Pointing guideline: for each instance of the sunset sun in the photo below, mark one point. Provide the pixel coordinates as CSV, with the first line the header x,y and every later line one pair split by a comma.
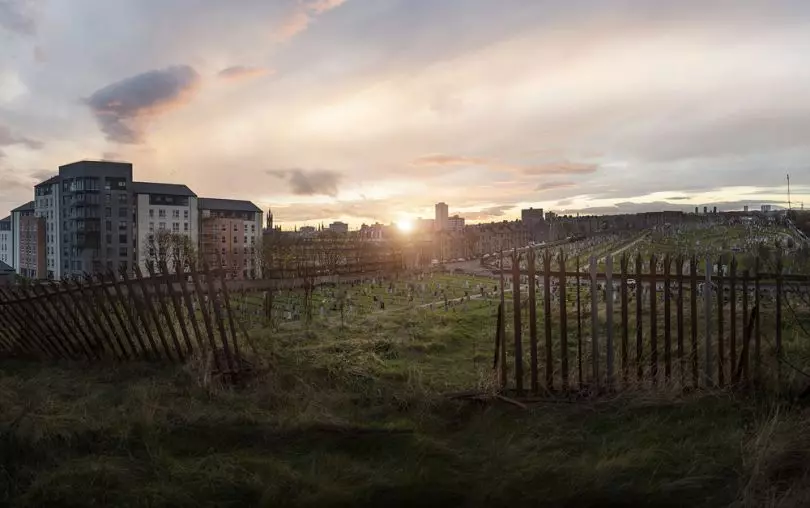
x,y
405,226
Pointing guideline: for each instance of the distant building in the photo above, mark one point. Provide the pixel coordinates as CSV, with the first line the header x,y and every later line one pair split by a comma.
x,y
230,233
766,208
307,231
455,223
424,225
745,208
162,208
442,213
531,216
697,210
6,242
705,210
339,227
30,240
374,232
48,205
714,210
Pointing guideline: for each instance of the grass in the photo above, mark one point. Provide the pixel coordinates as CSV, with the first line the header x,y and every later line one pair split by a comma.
x,y
355,417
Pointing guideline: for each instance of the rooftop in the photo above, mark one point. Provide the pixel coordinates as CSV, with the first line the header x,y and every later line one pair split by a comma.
x,y
28,207
227,204
50,181
170,189
4,268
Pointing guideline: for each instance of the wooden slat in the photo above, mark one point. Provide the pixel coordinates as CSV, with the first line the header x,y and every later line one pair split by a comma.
x,y
178,309
721,360
498,339
707,318
83,335
29,335
150,309
232,324
163,308
53,314
104,312
518,325
679,321
35,327
38,309
86,311
504,367
757,329
139,306
220,322
743,359
639,320
733,313
547,320
23,332
563,324
653,322
694,319
667,319
115,302
181,275
609,320
9,330
579,325
594,325
531,260
103,338
134,325
624,264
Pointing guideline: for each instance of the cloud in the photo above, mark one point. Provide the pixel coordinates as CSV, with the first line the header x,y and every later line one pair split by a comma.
x,y
122,108
310,183
302,15
549,168
676,198
238,72
40,56
547,186
42,174
8,138
487,213
19,16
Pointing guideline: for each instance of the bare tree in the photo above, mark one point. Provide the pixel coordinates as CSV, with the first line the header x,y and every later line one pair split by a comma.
x,y
174,249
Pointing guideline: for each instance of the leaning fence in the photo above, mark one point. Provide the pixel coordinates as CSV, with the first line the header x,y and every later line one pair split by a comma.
x,y
166,315
670,321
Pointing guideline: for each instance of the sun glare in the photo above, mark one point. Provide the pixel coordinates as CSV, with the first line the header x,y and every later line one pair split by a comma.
x,y
405,226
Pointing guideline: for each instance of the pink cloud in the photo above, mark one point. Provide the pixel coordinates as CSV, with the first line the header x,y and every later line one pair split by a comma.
x,y
238,72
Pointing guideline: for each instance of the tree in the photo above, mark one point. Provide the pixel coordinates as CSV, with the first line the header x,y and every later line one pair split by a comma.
x,y
174,249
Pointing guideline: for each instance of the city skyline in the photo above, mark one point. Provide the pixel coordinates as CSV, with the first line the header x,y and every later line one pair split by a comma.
x,y
358,111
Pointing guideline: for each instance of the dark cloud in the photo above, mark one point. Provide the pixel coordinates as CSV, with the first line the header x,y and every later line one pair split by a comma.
x,y
629,207
310,183
547,186
123,107
238,72
559,168
8,138
677,198
19,16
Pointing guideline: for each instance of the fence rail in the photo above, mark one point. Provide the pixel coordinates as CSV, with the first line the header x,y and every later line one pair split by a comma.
x,y
646,323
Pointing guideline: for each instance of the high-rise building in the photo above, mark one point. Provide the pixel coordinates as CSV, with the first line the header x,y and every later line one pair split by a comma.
x,y
165,215
97,215
6,242
230,236
442,214
29,241
47,203
455,223
745,208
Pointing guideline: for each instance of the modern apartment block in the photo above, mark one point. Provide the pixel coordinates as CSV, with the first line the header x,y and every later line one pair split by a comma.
x,y
7,242
162,208
97,217
47,205
230,236
442,213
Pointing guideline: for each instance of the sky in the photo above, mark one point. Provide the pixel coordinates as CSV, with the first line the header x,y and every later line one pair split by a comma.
x,y
374,110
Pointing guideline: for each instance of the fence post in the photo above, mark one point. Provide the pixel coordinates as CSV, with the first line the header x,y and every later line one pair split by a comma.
x,y
212,295
779,295
518,332
679,319
721,360
530,261
653,320
733,313
547,319
757,330
594,323
579,323
707,301
639,319
694,319
667,319
743,359
563,322
609,318
625,325
502,330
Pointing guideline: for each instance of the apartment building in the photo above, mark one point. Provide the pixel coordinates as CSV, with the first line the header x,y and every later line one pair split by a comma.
x,y
442,212
164,213
230,236
455,223
47,205
28,241
97,217
6,242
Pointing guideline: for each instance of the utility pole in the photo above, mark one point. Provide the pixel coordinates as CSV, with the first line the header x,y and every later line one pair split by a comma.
x,y
788,183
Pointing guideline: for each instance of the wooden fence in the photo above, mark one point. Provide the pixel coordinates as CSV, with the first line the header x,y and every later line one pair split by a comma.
x,y
605,329
163,316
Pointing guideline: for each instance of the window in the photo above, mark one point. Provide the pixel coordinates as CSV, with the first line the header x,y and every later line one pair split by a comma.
x,y
223,239
109,239
223,251
151,227
162,226
223,228
122,238
185,227
108,225
107,198
151,213
245,240
175,214
253,228
108,212
122,199
235,239
235,228
162,213
122,251
185,214
175,227
122,213
246,228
